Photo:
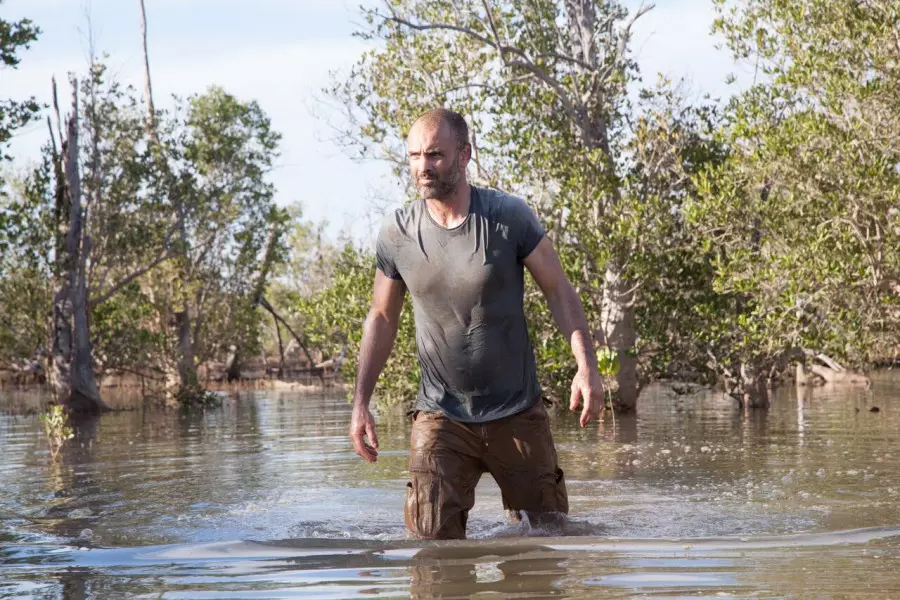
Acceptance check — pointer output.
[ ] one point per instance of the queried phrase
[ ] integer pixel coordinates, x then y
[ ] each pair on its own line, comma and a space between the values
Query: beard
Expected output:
441, 184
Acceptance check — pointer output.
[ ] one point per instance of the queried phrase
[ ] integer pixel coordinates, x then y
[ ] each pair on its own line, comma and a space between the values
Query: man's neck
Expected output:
452, 210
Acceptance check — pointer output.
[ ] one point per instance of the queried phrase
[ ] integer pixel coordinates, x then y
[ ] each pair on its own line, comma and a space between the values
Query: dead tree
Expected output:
71, 369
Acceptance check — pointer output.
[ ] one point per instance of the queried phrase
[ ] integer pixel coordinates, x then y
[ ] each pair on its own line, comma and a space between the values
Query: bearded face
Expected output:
437, 181
434, 160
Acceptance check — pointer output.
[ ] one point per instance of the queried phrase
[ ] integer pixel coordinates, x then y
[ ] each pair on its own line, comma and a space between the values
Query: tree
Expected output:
803, 218
71, 360
545, 87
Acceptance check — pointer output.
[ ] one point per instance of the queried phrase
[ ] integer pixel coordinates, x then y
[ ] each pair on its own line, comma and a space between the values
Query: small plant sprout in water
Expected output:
57, 428
608, 365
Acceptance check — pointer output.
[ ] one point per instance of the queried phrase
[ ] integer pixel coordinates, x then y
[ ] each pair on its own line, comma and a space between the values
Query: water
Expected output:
264, 498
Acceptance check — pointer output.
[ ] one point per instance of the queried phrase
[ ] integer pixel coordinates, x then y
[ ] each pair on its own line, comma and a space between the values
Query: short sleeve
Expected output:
527, 228
386, 249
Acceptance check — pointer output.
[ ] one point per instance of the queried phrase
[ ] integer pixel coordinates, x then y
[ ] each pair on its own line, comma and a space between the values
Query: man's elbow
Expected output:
380, 319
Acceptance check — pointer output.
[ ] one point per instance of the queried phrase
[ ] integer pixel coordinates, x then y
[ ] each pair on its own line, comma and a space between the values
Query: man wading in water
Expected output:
460, 252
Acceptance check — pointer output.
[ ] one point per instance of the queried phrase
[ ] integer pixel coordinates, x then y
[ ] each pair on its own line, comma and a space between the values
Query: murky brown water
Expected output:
264, 498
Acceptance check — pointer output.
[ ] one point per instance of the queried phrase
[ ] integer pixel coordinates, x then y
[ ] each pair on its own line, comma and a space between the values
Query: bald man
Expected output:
461, 252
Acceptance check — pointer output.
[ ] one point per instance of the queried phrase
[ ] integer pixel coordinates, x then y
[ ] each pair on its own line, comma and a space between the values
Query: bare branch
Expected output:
148, 88
525, 63
626, 29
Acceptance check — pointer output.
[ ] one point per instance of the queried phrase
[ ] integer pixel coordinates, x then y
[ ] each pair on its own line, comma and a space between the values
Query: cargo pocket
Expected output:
423, 506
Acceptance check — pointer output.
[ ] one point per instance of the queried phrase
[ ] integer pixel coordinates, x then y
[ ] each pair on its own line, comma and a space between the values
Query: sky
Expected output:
281, 53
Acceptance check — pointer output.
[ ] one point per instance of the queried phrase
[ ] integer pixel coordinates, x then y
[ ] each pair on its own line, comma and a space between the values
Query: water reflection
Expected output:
458, 572
135, 500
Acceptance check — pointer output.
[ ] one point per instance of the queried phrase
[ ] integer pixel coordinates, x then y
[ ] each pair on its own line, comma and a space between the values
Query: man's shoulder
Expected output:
401, 216
503, 207
499, 201
397, 224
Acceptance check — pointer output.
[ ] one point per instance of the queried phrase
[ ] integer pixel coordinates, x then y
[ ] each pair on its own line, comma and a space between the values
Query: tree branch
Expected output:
525, 63
112, 291
642, 10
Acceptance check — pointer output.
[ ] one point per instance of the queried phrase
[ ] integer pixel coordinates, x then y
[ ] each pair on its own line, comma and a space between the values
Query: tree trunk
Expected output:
84, 396
148, 88
617, 315
265, 304
233, 365
280, 349
800, 374
72, 369
58, 371
753, 390
233, 370
187, 366
617, 302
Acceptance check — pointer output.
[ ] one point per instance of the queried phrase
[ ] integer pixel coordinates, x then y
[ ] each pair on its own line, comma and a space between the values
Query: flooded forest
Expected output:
177, 343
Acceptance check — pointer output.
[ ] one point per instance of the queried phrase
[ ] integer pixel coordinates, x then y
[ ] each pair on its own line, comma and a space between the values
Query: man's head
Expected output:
439, 152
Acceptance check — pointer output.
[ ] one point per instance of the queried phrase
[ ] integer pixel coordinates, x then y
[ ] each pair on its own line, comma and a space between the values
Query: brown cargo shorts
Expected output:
447, 458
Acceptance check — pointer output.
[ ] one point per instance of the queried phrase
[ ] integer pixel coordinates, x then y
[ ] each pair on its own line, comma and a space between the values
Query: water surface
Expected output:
264, 498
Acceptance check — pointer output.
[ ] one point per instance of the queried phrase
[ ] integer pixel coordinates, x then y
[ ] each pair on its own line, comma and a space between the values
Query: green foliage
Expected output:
14, 114
207, 161
57, 428
332, 320
123, 332
224, 149
552, 121
802, 220
608, 362
26, 245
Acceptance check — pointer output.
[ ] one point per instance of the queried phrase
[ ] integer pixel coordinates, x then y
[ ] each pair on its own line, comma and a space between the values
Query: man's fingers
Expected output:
357, 440
576, 396
361, 448
593, 408
373, 438
585, 415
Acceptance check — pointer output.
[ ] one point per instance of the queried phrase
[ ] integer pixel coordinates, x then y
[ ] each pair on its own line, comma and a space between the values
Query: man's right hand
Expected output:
362, 424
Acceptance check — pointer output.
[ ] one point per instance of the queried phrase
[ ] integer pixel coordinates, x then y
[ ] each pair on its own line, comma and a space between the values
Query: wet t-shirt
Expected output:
467, 286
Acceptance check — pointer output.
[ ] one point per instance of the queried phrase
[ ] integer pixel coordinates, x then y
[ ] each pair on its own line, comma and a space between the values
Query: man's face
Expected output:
434, 160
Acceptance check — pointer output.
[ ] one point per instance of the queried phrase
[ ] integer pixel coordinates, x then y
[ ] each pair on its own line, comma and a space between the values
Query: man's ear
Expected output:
465, 155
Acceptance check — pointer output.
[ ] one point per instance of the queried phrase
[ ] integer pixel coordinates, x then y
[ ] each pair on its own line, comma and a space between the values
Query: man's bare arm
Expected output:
544, 266
379, 332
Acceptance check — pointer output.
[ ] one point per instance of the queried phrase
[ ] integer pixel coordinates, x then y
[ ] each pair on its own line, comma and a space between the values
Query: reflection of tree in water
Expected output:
463, 571
71, 483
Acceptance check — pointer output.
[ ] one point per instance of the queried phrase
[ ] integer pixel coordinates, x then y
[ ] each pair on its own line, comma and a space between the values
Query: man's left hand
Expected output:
587, 385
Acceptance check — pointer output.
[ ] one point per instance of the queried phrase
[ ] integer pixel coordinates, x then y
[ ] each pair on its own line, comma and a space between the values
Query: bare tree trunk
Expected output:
617, 301
617, 315
58, 372
85, 397
148, 88
800, 374
72, 369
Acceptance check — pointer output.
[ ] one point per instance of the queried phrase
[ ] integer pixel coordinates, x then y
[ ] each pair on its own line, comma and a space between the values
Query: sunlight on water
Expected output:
264, 498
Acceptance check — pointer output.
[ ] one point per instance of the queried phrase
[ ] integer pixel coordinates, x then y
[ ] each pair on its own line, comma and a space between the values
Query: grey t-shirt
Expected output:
467, 287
